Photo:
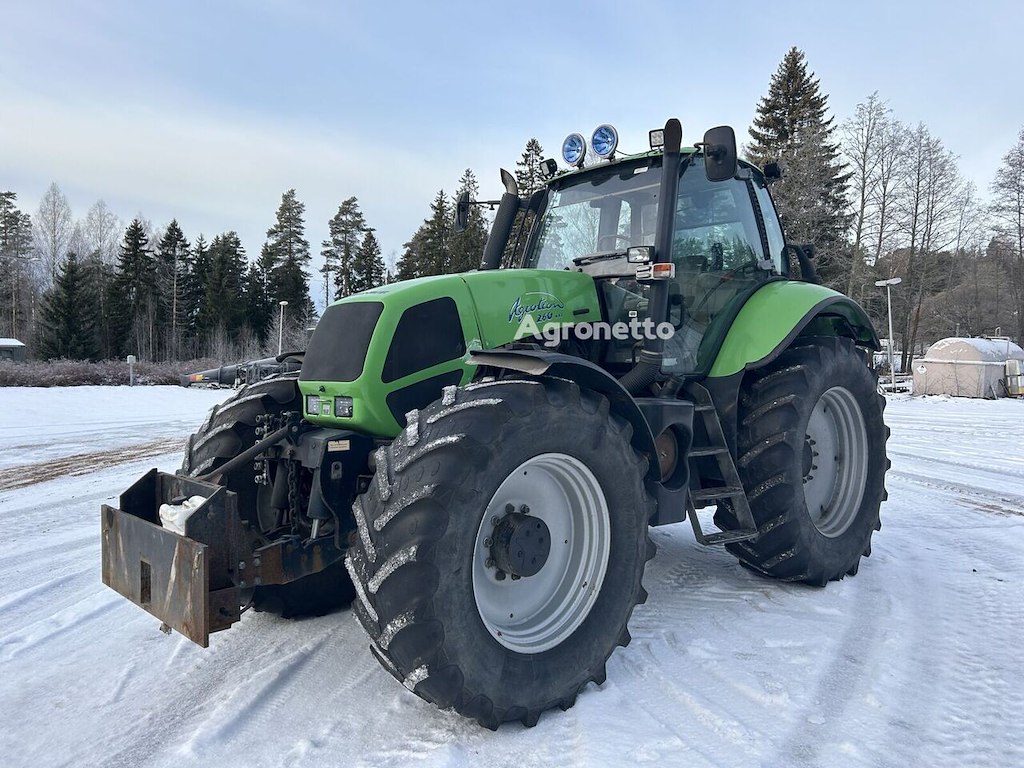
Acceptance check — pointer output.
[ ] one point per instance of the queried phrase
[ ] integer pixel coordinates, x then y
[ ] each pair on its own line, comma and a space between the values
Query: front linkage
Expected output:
185, 549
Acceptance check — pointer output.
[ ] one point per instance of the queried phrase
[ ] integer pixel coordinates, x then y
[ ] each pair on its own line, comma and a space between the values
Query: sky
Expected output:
208, 111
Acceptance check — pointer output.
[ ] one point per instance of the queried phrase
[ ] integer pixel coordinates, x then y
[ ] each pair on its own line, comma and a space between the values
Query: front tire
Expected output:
501, 547
811, 447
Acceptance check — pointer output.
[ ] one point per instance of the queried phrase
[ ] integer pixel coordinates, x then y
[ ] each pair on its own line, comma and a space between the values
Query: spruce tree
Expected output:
411, 264
224, 305
367, 265
259, 295
467, 247
792, 126
132, 295
69, 315
15, 249
195, 297
172, 262
289, 249
347, 229
528, 173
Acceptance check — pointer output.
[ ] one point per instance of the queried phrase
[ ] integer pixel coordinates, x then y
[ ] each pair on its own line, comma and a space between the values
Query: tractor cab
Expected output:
724, 242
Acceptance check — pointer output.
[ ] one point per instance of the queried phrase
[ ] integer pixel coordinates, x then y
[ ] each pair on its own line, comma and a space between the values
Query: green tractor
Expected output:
473, 461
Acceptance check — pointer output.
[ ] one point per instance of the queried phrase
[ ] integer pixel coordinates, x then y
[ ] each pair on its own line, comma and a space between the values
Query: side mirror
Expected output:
462, 212
720, 156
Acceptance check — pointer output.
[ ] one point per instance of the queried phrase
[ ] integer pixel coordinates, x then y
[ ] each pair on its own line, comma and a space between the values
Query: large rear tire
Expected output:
811, 447
501, 547
229, 429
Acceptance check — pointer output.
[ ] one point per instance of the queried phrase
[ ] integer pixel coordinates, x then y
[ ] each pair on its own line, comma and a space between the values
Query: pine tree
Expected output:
69, 315
528, 173
172, 262
410, 265
346, 228
427, 253
194, 297
258, 292
529, 179
367, 265
791, 126
224, 305
289, 249
467, 247
132, 295
15, 250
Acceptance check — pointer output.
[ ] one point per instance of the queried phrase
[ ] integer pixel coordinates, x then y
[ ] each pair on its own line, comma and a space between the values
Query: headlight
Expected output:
343, 406
313, 405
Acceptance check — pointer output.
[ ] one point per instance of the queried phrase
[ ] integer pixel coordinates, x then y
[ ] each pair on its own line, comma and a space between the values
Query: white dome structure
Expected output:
966, 367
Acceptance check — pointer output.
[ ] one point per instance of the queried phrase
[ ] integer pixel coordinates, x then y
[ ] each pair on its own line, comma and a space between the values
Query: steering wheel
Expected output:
613, 239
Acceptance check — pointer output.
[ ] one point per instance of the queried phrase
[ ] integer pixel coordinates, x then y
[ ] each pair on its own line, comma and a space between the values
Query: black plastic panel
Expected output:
427, 334
338, 347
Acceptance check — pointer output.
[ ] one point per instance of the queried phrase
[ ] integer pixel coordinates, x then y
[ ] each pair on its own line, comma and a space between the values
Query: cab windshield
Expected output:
604, 211
717, 248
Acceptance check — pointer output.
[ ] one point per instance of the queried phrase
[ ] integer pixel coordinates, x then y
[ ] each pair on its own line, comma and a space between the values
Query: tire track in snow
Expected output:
84, 463
980, 497
254, 703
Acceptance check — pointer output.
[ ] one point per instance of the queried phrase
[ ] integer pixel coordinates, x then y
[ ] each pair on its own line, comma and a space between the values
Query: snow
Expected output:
915, 661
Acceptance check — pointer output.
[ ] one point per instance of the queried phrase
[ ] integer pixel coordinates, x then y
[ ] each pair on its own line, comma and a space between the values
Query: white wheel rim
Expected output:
536, 613
835, 461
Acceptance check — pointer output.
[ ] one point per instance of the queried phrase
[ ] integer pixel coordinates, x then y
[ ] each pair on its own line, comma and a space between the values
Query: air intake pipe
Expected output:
647, 369
504, 220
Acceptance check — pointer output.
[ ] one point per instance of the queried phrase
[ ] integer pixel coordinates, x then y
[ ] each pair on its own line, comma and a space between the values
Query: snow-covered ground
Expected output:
916, 661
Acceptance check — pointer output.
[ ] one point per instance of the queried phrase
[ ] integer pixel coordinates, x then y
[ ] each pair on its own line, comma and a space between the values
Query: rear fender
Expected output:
779, 312
768, 323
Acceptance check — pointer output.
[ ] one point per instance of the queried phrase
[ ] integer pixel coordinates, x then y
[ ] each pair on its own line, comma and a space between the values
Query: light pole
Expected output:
888, 284
280, 325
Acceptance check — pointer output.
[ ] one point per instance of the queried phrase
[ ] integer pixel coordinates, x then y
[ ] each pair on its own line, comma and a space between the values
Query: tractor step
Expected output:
732, 490
710, 494
708, 451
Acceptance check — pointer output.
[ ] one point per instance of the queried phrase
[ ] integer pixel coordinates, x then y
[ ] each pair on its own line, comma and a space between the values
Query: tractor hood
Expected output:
377, 355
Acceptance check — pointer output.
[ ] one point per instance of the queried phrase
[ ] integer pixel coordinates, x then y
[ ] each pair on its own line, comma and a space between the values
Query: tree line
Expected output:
877, 197
882, 198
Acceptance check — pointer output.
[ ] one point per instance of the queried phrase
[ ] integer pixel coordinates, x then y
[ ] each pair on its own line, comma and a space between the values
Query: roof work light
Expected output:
605, 140
574, 149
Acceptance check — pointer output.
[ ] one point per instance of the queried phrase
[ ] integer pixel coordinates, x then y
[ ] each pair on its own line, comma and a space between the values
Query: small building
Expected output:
965, 367
12, 349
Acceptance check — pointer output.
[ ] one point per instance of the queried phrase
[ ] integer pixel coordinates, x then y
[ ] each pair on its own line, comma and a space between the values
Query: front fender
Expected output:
584, 373
779, 312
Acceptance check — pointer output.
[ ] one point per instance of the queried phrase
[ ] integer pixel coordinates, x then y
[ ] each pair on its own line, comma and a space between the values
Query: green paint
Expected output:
491, 306
771, 314
502, 299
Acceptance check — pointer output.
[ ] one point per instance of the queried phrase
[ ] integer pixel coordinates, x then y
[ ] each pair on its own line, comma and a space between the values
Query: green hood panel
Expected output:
775, 314
504, 298
491, 305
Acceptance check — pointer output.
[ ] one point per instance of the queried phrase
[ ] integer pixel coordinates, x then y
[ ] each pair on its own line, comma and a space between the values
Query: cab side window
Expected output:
776, 240
716, 249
